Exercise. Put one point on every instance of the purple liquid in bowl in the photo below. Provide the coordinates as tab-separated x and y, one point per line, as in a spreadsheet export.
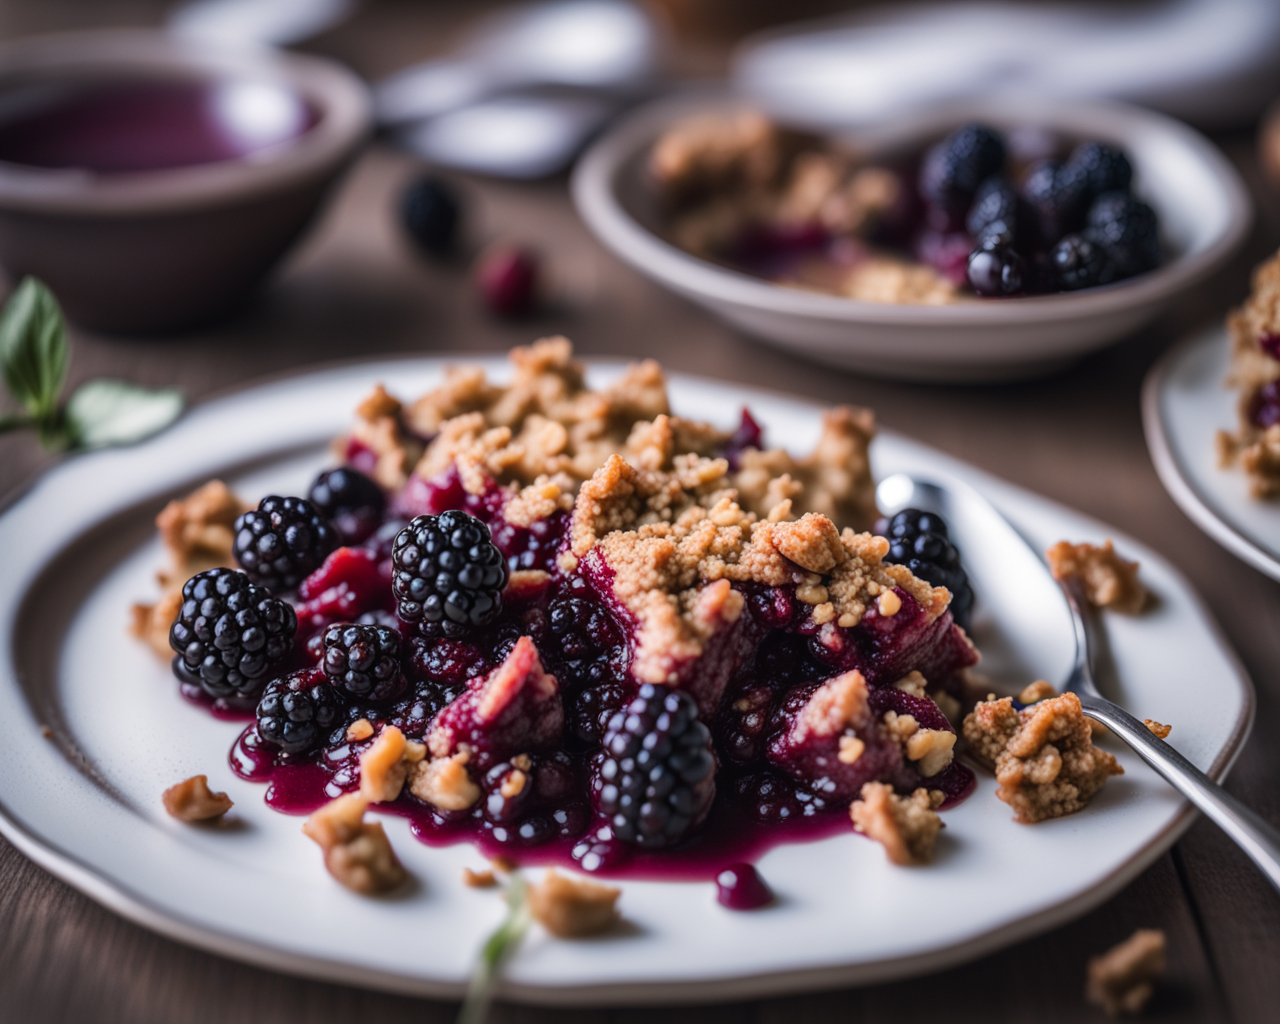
134	125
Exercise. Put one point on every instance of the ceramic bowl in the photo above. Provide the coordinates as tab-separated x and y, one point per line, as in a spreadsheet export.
159	250
1204	215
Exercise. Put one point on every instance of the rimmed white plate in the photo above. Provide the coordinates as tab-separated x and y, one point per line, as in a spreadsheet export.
79	548
1184	405
1204	215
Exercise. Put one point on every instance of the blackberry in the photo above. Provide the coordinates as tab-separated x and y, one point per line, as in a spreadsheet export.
282	541
230	634
352	502
298	712
955	167
430	212
363	661
1104	168
994	210
919	541
1127	230
1055	196
1077	262
447	574
655	780
996	270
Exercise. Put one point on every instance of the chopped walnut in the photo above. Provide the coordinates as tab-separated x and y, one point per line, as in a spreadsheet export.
483	879
573	907
356	852
931	749
907	827
192	800
1035	692
1043	756
1122	979
443	782
151	622
360	729
1109	581
1157	729
385	765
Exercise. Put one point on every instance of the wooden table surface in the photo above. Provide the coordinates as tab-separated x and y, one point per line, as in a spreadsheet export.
356	289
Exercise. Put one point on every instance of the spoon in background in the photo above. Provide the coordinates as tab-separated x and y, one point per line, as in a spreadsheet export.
957	502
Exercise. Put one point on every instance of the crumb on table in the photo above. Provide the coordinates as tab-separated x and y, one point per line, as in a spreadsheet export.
573	907
356	852
907	827
192	800
1109	581
1043	756
1122	979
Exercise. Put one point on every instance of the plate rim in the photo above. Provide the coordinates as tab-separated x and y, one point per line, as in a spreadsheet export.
1169	468
134	906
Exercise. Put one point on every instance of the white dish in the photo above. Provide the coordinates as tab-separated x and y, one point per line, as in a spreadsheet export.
1203	206
1184	404
87	807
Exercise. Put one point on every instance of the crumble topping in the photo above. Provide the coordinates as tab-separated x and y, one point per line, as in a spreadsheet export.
887	279
443	782
192	800
717	152
482	879
1109	581
385	765
907	827
838	704
572	908
360	729
674	541
931	749
1122	979
356	852
1157	729
1043	756
1035	692
150	622
1257	450
379	429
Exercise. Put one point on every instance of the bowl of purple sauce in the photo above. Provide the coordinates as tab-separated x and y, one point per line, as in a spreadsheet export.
154	184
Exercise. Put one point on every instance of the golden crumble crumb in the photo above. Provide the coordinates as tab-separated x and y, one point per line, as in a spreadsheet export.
912	683
1035	692
443	782
1122	980
504	864
1157	729
197	529
360	729
483	879
571	907
383	766
192	800
378	404
851	748
356	852
907	827
1043	756
151	622
1109	581
889	604
716	152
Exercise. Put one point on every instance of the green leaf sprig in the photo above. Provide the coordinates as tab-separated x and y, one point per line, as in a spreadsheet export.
34	354
496	951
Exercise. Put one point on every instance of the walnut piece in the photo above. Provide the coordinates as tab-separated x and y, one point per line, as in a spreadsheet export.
192	800
572	907
1157	729
385	765
1109	581
1122	979
356	852
443	782
482	879
907	827
1043	755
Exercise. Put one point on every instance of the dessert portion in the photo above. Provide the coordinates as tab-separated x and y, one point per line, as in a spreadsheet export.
575	628
976	213
1255	372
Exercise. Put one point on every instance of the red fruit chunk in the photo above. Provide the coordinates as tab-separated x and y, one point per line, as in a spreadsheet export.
508	276
515	709
348	584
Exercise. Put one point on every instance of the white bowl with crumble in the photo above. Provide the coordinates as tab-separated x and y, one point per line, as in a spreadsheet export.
992	239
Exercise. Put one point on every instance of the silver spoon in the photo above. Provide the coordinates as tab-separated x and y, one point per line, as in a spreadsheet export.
958	502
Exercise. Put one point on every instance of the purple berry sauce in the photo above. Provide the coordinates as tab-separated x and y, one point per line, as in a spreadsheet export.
740	887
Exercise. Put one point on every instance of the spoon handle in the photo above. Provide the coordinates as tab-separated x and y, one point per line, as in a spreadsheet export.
1250	832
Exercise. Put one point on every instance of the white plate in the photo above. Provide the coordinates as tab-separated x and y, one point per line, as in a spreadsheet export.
79	548
1184	404
1204	214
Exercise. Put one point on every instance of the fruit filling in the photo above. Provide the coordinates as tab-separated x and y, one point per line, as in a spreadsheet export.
578	629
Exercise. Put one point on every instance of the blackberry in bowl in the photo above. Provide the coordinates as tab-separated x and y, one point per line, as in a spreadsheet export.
352	502
282	541
448	575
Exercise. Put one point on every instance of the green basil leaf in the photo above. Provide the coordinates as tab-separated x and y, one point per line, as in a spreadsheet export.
33	348
494	954
106	412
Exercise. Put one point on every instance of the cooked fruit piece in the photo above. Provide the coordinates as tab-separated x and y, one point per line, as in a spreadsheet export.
352	502
655	780
448	576
230	634
298	712
363	661
282	541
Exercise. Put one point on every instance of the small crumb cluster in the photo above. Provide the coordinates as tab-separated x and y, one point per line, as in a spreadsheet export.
1044	757
1108	580
193	800
1122	980
356	852
573	908
906	826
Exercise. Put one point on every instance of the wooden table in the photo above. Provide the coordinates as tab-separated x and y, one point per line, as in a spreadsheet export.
356	289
